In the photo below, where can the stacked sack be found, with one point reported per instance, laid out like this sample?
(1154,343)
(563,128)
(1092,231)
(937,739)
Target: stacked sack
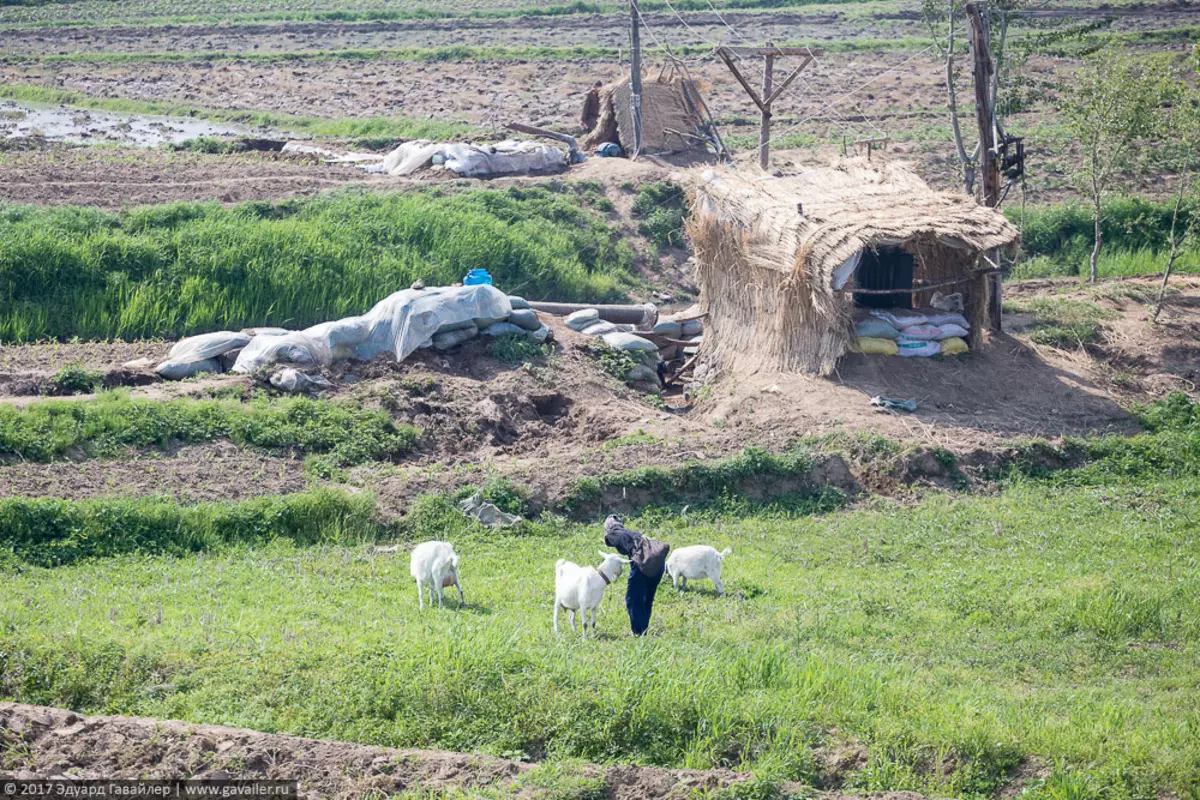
(644,376)
(912,333)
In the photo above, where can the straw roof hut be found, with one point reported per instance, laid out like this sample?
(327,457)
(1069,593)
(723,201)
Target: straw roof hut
(674,117)
(780,258)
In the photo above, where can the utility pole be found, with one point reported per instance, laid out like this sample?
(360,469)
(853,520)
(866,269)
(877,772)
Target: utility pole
(635,76)
(985,116)
(770,93)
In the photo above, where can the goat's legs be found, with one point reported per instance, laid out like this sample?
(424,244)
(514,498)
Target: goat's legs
(458,583)
(556,607)
(571,619)
(675,582)
(720,586)
(682,582)
(420,594)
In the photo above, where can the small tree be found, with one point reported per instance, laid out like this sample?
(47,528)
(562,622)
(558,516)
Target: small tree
(1180,147)
(1111,105)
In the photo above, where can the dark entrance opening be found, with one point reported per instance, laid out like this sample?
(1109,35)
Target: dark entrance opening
(885,268)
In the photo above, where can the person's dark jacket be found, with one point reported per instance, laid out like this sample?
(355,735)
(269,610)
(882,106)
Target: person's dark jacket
(648,555)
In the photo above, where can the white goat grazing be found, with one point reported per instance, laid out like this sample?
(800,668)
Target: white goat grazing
(435,565)
(697,562)
(581,589)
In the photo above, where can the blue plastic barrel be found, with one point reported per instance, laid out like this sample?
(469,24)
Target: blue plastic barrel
(477,277)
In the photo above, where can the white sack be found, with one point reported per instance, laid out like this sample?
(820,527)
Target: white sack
(410,157)
(178,370)
(206,346)
(504,158)
(291,348)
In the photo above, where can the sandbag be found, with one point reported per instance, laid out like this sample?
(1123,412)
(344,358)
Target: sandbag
(953,346)
(178,370)
(503,158)
(410,157)
(935,316)
(599,328)
(951,330)
(448,339)
(641,372)
(265,331)
(874,328)
(340,336)
(672,330)
(518,303)
(628,341)
(503,329)
(293,380)
(541,335)
(693,327)
(582,318)
(456,326)
(873,346)
(526,318)
(922,332)
(207,345)
(921,348)
(900,318)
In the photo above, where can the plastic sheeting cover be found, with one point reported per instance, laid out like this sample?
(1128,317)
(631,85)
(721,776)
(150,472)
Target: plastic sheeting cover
(398,324)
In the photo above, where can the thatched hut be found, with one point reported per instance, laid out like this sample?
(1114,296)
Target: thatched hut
(675,118)
(786,263)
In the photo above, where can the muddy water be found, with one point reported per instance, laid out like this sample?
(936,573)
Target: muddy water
(86,126)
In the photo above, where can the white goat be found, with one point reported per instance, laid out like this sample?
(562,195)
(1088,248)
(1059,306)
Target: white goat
(697,562)
(435,565)
(581,589)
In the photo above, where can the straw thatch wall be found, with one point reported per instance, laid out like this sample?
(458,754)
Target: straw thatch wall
(669,116)
(767,249)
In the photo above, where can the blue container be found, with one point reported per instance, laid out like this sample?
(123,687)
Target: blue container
(477,277)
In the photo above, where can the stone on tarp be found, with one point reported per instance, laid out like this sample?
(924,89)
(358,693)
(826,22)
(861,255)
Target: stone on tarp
(487,514)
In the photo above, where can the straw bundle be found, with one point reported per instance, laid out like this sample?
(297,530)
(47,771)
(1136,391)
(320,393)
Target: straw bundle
(767,249)
(669,116)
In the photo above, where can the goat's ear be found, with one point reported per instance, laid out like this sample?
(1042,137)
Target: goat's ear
(603,554)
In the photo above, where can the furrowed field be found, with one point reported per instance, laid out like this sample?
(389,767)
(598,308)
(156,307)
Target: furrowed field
(1051,628)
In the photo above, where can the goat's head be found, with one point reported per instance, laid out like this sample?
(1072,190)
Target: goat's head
(612,565)
(613,521)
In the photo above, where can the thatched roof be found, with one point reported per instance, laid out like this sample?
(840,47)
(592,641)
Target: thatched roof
(672,120)
(767,249)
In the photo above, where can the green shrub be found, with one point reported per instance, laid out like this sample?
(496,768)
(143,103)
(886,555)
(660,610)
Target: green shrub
(185,268)
(516,348)
(615,362)
(74,379)
(661,207)
(111,424)
(50,532)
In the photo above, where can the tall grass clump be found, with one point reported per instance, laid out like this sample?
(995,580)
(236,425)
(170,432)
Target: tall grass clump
(1056,240)
(50,532)
(184,268)
(112,425)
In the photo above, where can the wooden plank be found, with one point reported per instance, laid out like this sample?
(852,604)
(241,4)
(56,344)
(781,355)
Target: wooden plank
(917,289)
(771,50)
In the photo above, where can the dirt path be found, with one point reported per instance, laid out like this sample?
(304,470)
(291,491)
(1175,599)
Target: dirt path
(42,742)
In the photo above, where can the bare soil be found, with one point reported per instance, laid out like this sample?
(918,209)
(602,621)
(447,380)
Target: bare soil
(546,425)
(41,742)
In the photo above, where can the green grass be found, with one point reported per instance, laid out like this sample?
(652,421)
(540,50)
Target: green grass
(953,637)
(516,349)
(1062,322)
(661,208)
(184,268)
(50,533)
(346,127)
(113,425)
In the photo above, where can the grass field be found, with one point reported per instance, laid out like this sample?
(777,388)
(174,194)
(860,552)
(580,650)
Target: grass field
(1054,626)
(954,639)
(188,268)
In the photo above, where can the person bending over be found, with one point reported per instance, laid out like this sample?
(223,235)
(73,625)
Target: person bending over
(649,558)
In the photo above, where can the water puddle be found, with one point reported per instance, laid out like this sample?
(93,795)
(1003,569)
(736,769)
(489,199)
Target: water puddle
(86,126)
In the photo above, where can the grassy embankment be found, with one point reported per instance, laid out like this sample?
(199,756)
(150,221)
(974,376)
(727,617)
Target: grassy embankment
(1053,625)
(184,268)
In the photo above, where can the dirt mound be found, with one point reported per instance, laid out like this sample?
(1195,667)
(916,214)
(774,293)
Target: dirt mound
(41,742)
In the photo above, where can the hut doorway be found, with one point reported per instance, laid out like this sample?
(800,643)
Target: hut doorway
(882,269)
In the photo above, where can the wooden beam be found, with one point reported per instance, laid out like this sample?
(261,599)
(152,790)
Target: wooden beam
(764,125)
(771,50)
(985,118)
(738,74)
(635,76)
(781,88)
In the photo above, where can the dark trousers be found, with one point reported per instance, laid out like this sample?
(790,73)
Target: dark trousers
(639,598)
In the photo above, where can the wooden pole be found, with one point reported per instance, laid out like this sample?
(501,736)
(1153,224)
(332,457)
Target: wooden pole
(764,127)
(985,115)
(635,76)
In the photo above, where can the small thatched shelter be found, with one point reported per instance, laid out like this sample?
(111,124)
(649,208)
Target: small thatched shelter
(674,117)
(780,258)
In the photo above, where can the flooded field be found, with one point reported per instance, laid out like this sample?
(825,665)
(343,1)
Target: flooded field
(86,126)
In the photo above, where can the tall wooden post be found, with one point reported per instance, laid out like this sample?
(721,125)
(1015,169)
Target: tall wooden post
(764,127)
(985,116)
(635,76)
(770,92)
